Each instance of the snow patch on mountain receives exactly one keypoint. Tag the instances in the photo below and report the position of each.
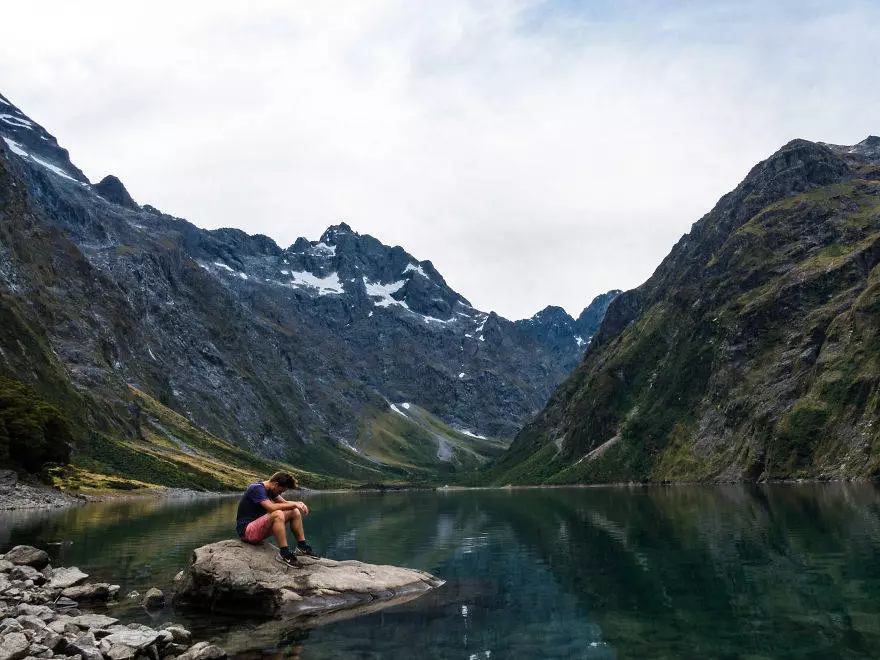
(324, 250)
(18, 150)
(415, 268)
(18, 122)
(383, 292)
(328, 285)
(15, 147)
(434, 319)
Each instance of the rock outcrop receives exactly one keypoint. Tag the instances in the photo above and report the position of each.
(232, 576)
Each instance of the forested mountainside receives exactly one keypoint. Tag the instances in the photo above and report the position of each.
(752, 352)
(343, 355)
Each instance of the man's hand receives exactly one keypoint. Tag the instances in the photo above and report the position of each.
(302, 507)
(280, 504)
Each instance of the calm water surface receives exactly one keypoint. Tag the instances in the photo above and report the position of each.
(684, 572)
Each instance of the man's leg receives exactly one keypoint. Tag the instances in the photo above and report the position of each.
(271, 524)
(294, 517)
(278, 529)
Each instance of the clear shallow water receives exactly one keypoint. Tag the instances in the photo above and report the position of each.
(684, 572)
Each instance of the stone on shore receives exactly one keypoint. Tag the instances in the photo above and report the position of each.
(179, 634)
(98, 591)
(136, 639)
(14, 646)
(25, 572)
(62, 578)
(93, 621)
(36, 621)
(232, 576)
(25, 555)
(203, 651)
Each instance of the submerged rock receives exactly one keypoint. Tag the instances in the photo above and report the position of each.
(154, 599)
(232, 576)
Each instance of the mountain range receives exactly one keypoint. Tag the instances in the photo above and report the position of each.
(342, 355)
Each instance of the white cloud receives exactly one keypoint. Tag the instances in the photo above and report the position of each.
(537, 152)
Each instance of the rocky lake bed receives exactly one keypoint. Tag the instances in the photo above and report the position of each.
(43, 615)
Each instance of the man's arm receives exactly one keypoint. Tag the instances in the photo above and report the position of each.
(278, 503)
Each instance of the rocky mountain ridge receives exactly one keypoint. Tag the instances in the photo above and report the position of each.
(752, 351)
(306, 354)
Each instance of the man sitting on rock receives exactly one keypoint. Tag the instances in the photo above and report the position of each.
(262, 513)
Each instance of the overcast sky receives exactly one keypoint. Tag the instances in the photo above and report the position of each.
(537, 152)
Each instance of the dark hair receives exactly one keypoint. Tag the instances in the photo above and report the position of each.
(284, 479)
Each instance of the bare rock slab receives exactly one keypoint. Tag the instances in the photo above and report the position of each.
(62, 578)
(231, 576)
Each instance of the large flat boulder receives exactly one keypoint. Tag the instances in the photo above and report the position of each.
(231, 576)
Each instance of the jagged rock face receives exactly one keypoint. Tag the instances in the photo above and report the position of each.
(281, 351)
(751, 353)
(111, 189)
(553, 327)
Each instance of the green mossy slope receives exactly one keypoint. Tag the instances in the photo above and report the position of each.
(751, 353)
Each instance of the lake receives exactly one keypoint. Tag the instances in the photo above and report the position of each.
(783, 571)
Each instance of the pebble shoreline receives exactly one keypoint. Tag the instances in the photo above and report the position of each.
(41, 617)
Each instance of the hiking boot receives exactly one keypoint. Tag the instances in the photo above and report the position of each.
(289, 560)
(305, 551)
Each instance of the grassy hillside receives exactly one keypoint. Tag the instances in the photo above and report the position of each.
(170, 451)
(411, 439)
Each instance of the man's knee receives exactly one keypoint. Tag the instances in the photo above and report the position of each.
(293, 514)
(277, 515)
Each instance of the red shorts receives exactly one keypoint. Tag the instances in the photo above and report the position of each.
(258, 530)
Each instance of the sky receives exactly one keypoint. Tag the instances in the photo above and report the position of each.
(536, 152)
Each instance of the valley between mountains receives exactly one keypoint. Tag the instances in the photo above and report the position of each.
(139, 350)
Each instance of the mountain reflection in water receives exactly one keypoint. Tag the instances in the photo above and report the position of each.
(726, 571)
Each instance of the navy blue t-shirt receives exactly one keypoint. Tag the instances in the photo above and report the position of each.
(249, 508)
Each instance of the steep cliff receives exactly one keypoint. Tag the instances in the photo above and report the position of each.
(751, 353)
